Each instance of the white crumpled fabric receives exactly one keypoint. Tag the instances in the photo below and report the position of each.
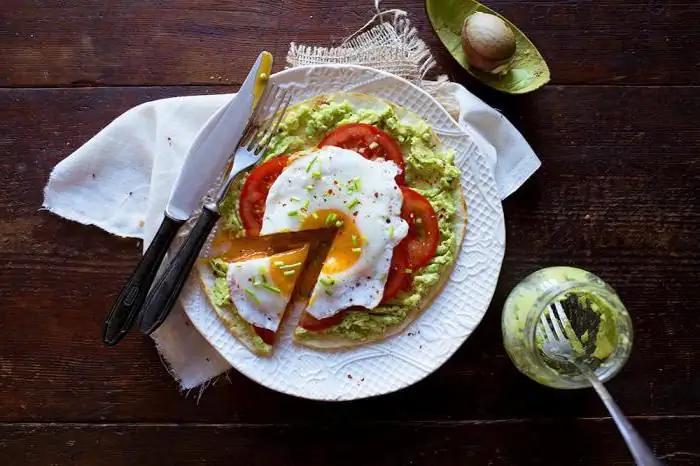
(120, 179)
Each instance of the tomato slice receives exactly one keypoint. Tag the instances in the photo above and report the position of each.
(423, 231)
(255, 190)
(399, 279)
(313, 324)
(268, 336)
(368, 141)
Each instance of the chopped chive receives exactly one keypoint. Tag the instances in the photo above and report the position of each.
(408, 270)
(364, 238)
(257, 282)
(316, 175)
(274, 289)
(356, 249)
(353, 203)
(354, 240)
(289, 272)
(262, 270)
(315, 215)
(313, 161)
(289, 266)
(305, 205)
(331, 218)
(391, 232)
(339, 223)
(357, 184)
(328, 281)
(294, 199)
(329, 292)
(293, 213)
(285, 230)
(278, 263)
(239, 266)
(308, 187)
(252, 295)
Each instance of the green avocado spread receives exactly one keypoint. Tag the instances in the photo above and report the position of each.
(597, 324)
(429, 170)
(221, 298)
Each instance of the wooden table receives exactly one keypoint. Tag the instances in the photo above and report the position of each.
(617, 131)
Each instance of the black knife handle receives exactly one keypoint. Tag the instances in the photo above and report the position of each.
(126, 308)
(165, 292)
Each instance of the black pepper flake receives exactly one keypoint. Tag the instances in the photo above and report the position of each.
(376, 195)
(206, 359)
(362, 379)
(388, 220)
(93, 175)
(350, 376)
(130, 193)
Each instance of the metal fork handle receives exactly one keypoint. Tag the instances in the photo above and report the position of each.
(165, 292)
(639, 449)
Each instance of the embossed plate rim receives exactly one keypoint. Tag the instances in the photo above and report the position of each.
(388, 365)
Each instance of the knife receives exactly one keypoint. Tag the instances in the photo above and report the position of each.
(204, 163)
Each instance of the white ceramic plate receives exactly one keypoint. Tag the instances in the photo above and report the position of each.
(429, 341)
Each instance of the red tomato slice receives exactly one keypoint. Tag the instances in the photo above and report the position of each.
(255, 190)
(313, 324)
(268, 336)
(368, 141)
(423, 231)
(399, 279)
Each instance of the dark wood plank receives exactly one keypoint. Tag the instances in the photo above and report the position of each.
(589, 442)
(208, 42)
(616, 194)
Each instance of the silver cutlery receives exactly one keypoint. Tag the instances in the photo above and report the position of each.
(254, 143)
(203, 164)
(558, 347)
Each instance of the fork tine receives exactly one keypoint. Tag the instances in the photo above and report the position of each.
(265, 100)
(274, 125)
(267, 124)
(547, 329)
(562, 315)
(555, 323)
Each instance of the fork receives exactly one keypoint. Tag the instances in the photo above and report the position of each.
(253, 145)
(558, 347)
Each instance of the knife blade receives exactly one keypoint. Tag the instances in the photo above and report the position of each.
(203, 164)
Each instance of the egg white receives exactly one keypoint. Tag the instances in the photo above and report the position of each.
(366, 192)
(259, 306)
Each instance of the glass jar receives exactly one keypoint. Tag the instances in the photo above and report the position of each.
(532, 296)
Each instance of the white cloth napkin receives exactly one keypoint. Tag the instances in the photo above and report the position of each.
(120, 179)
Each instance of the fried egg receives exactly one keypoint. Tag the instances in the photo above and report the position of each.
(261, 288)
(334, 187)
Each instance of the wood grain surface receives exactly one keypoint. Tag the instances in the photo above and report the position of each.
(617, 194)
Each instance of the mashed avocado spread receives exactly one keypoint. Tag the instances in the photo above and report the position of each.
(221, 298)
(429, 171)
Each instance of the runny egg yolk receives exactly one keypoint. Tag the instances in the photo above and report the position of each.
(347, 245)
(287, 262)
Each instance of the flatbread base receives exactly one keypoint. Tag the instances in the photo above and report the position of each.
(245, 334)
(323, 341)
